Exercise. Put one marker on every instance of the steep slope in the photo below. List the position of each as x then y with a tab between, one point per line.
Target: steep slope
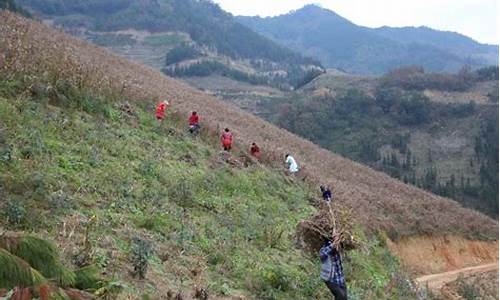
379	202
341	44
182	37
150	211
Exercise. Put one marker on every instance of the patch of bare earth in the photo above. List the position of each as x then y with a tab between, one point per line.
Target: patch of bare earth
430	255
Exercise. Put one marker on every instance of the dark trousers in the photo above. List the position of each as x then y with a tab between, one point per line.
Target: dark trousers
340	293
193	129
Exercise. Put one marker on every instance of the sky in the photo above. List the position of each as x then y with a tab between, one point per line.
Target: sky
475	18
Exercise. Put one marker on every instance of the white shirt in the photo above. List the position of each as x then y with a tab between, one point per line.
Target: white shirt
292	164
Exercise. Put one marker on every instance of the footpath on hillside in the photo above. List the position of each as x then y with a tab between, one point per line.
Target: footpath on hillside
435	282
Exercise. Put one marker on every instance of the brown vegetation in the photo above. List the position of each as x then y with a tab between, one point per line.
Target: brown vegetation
377	201
478	286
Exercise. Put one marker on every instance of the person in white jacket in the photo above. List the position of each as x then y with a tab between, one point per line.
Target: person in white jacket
293	167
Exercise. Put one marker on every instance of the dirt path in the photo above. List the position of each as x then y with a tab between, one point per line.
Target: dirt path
436	281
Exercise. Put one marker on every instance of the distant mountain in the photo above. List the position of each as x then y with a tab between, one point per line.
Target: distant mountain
207	39
453	42
339	43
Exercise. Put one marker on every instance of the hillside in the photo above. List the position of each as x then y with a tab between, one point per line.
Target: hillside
338	43
353	182
434	137
74	148
182	38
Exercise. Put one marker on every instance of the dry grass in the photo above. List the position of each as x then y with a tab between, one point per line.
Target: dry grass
377	201
478	286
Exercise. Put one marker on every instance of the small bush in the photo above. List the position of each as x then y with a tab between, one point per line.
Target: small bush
467	290
5	154
270	282
182	193
60	200
88	278
15	213
142	250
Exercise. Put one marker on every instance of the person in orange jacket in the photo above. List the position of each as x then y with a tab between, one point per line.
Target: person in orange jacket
161	108
227	140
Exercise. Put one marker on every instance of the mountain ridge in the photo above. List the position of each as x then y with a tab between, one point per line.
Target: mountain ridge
340	43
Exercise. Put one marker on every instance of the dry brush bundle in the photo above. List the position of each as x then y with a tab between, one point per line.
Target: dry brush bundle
332	222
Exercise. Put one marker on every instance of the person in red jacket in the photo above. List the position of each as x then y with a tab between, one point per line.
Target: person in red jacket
255	151
194	123
161	109
227	140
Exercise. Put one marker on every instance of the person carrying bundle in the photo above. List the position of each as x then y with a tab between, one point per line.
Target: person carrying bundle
227	140
332	272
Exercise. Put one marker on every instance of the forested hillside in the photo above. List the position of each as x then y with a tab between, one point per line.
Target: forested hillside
399	126
12	6
213	42
339	43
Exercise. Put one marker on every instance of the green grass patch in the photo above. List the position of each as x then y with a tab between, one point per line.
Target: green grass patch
170	40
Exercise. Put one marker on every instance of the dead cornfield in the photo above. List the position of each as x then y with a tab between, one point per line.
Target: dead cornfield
377	201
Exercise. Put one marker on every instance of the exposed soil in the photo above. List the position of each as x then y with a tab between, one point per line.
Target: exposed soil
432	255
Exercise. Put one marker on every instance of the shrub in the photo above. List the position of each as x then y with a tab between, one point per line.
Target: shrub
5	154
142	250
269	282
467	290
15	212
88	278
182	193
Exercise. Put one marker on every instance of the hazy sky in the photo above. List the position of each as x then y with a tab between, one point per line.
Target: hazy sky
475	18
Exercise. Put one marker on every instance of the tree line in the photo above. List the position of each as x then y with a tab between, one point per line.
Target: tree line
416	78
357	125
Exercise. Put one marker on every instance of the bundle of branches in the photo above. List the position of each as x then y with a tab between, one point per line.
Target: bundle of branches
332	222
